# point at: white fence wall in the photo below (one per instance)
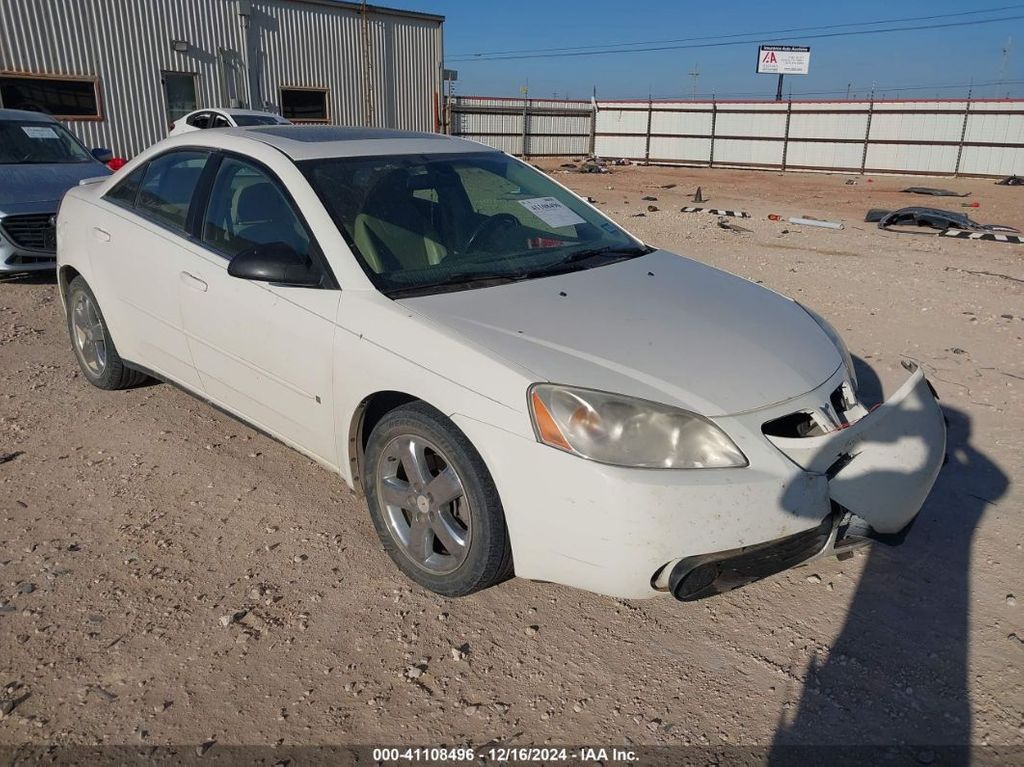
(977, 137)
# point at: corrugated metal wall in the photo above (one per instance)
(980, 137)
(126, 45)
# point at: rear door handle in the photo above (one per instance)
(194, 282)
(101, 234)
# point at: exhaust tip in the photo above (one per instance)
(686, 582)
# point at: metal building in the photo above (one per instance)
(118, 72)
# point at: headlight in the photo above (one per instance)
(611, 428)
(837, 339)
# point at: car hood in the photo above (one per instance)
(28, 184)
(661, 327)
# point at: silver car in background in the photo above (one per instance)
(39, 161)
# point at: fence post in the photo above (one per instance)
(867, 134)
(785, 138)
(963, 135)
(647, 143)
(714, 120)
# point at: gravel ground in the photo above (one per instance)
(168, 576)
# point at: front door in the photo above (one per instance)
(180, 93)
(262, 351)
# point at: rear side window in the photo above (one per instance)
(168, 185)
(201, 120)
(220, 121)
(126, 192)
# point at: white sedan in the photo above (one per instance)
(201, 119)
(515, 383)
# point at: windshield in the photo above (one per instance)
(244, 121)
(431, 223)
(24, 142)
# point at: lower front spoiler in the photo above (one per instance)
(839, 534)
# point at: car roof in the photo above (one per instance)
(23, 114)
(308, 142)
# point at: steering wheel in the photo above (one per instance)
(488, 226)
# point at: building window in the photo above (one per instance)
(304, 104)
(65, 97)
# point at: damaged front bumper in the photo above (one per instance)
(879, 468)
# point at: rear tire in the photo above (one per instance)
(433, 503)
(94, 349)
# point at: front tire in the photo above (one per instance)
(434, 504)
(94, 349)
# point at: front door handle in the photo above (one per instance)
(101, 234)
(194, 282)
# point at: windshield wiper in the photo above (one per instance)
(459, 281)
(611, 252)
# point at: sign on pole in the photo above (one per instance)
(783, 60)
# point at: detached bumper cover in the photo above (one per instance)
(883, 466)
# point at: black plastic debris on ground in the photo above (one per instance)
(1012, 181)
(934, 218)
(934, 192)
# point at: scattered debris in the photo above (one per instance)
(637, 215)
(851, 181)
(930, 190)
(205, 746)
(989, 236)
(970, 205)
(725, 223)
(571, 165)
(698, 197)
(936, 218)
(874, 215)
(648, 198)
(716, 212)
(235, 617)
(774, 217)
(958, 350)
(816, 222)
(814, 579)
(652, 209)
(8, 457)
(531, 630)
(1012, 181)
(667, 186)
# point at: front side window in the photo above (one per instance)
(248, 208)
(58, 96)
(27, 142)
(168, 185)
(220, 121)
(304, 104)
(424, 224)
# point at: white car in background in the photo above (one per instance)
(515, 382)
(201, 119)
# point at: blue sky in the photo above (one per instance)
(919, 58)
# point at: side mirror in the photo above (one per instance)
(275, 262)
(103, 155)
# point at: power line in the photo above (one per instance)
(862, 88)
(760, 39)
(608, 46)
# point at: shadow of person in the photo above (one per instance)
(896, 676)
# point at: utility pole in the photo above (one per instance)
(694, 74)
(367, 64)
(1002, 68)
(778, 89)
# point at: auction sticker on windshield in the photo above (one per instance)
(39, 131)
(551, 211)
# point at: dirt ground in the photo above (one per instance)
(134, 522)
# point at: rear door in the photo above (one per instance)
(262, 351)
(138, 251)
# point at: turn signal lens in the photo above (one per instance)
(548, 430)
